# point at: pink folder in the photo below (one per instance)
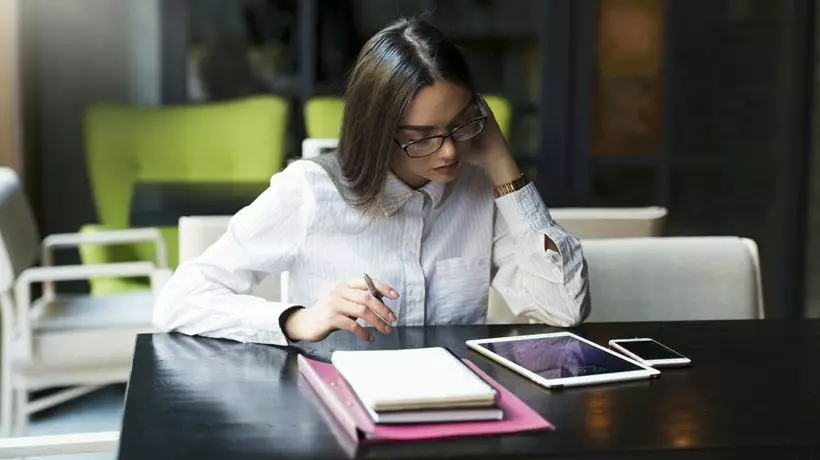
(353, 419)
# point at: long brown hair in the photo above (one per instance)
(391, 68)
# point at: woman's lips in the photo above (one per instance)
(447, 168)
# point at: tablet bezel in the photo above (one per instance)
(645, 371)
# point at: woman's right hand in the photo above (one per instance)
(339, 309)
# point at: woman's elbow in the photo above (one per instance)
(581, 301)
(168, 308)
(578, 304)
(581, 309)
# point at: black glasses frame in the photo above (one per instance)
(450, 134)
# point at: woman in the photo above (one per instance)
(409, 199)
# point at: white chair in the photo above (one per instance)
(667, 279)
(674, 279)
(76, 341)
(312, 148)
(611, 222)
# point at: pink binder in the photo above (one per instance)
(343, 404)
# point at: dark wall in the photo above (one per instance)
(813, 234)
(738, 100)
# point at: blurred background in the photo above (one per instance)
(702, 107)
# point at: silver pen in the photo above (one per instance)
(372, 287)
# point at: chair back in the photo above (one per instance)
(19, 240)
(312, 148)
(323, 117)
(238, 141)
(611, 222)
(502, 110)
(673, 279)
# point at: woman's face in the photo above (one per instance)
(436, 109)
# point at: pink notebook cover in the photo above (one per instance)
(353, 419)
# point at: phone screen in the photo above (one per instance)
(650, 350)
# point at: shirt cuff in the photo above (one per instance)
(524, 211)
(525, 214)
(264, 319)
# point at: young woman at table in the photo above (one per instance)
(422, 194)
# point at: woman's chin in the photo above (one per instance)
(445, 174)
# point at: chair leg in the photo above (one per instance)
(6, 392)
(20, 412)
(5, 407)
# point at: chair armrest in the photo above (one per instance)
(101, 237)
(76, 443)
(22, 287)
(107, 237)
(82, 272)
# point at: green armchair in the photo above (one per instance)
(236, 141)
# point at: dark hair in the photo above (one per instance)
(391, 68)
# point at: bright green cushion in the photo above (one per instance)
(323, 117)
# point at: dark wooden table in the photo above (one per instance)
(753, 392)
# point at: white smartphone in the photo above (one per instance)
(650, 352)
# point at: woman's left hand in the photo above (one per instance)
(489, 151)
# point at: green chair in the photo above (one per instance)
(323, 115)
(237, 141)
(502, 110)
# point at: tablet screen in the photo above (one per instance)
(560, 357)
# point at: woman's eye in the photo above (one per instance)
(424, 142)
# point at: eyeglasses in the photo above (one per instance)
(427, 146)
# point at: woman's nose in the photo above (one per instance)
(448, 149)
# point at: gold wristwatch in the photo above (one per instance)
(511, 186)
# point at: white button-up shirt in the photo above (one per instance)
(440, 246)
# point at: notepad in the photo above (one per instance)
(464, 414)
(420, 378)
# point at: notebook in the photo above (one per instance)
(466, 414)
(419, 378)
(341, 409)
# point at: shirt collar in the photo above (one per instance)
(396, 193)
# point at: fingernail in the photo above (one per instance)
(387, 330)
(371, 338)
(392, 317)
(393, 293)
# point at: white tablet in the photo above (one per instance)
(561, 359)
